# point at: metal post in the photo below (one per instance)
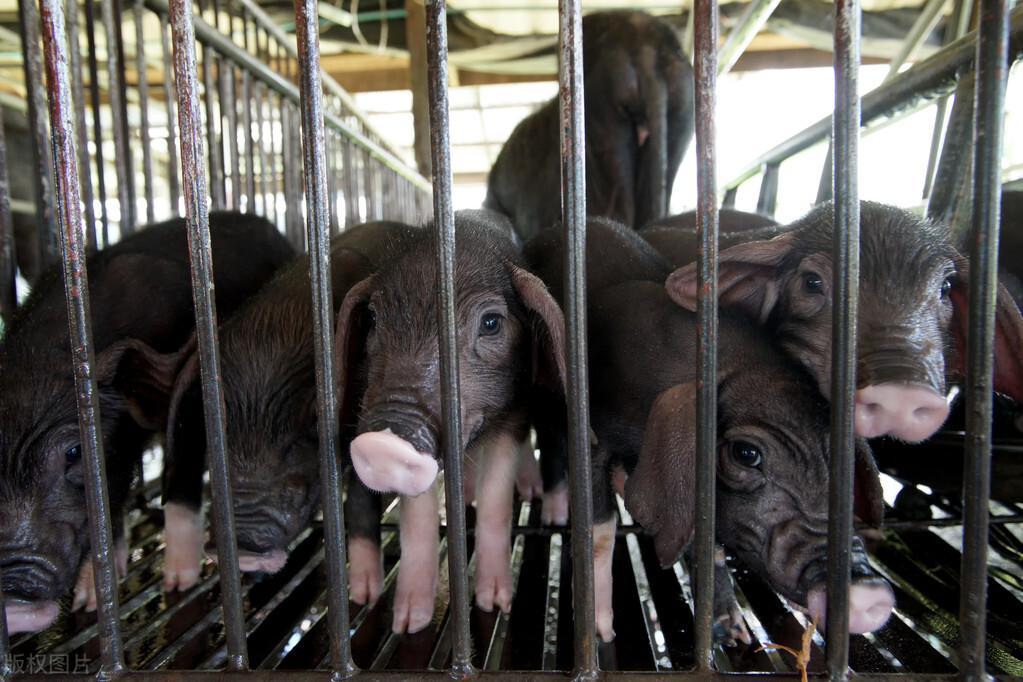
(76, 288)
(115, 71)
(197, 219)
(97, 125)
(143, 87)
(991, 72)
(746, 29)
(5, 646)
(318, 238)
(451, 434)
(78, 93)
(846, 135)
(172, 144)
(768, 200)
(705, 70)
(8, 288)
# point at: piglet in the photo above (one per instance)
(269, 383)
(676, 239)
(510, 338)
(142, 315)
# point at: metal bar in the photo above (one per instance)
(918, 33)
(369, 187)
(111, 16)
(767, 202)
(8, 287)
(6, 668)
(992, 73)
(351, 185)
(843, 331)
(318, 238)
(76, 287)
(264, 201)
(229, 109)
(451, 434)
(331, 149)
(143, 87)
(78, 94)
(172, 144)
(197, 220)
(97, 122)
(953, 172)
(247, 96)
(208, 64)
(926, 80)
(32, 62)
(705, 68)
(746, 29)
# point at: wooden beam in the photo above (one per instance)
(415, 38)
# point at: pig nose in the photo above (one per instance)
(870, 605)
(911, 413)
(386, 463)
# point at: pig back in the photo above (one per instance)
(675, 237)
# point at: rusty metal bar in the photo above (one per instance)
(97, 124)
(318, 238)
(111, 18)
(78, 95)
(705, 73)
(32, 62)
(76, 288)
(451, 433)
(8, 267)
(845, 294)
(197, 221)
(143, 88)
(991, 74)
(172, 145)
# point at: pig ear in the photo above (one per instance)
(659, 493)
(349, 344)
(868, 500)
(747, 277)
(1008, 334)
(143, 376)
(548, 329)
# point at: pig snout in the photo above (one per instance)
(24, 616)
(909, 412)
(870, 605)
(250, 561)
(388, 463)
(29, 583)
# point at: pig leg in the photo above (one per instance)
(550, 439)
(603, 550)
(417, 575)
(499, 459)
(528, 480)
(729, 627)
(182, 530)
(85, 587)
(365, 563)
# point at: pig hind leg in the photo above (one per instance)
(183, 537)
(365, 566)
(497, 463)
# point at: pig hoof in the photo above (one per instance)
(413, 601)
(183, 554)
(555, 507)
(730, 628)
(528, 481)
(605, 624)
(85, 589)
(494, 590)
(365, 572)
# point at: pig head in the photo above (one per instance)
(772, 499)
(912, 312)
(510, 334)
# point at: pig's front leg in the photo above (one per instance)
(604, 526)
(729, 627)
(417, 574)
(365, 563)
(528, 480)
(497, 463)
(85, 586)
(183, 537)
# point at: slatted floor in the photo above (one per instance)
(287, 629)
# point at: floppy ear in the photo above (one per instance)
(143, 376)
(868, 499)
(747, 277)
(548, 329)
(349, 343)
(1008, 377)
(659, 493)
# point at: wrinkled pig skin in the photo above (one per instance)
(142, 315)
(913, 299)
(510, 338)
(773, 430)
(268, 375)
(639, 122)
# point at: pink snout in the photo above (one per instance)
(387, 463)
(910, 413)
(25, 616)
(870, 606)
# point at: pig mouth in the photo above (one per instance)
(271, 561)
(30, 577)
(385, 462)
(29, 616)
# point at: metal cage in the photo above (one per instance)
(349, 174)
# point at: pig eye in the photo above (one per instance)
(946, 287)
(813, 283)
(490, 324)
(73, 455)
(746, 454)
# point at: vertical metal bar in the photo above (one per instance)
(260, 106)
(143, 87)
(952, 176)
(76, 287)
(992, 72)
(6, 669)
(209, 63)
(705, 73)
(250, 152)
(351, 184)
(451, 434)
(172, 144)
(78, 93)
(32, 61)
(573, 202)
(228, 108)
(331, 149)
(845, 134)
(768, 200)
(197, 220)
(115, 91)
(97, 121)
(318, 238)
(8, 288)
(367, 183)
